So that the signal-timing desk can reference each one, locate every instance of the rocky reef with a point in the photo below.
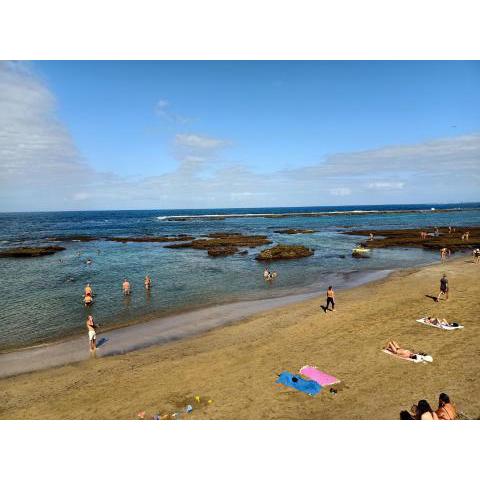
(174, 238)
(412, 238)
(223, 243)
(24, 252)
(284, 252)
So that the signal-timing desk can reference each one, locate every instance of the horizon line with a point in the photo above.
(237, 208)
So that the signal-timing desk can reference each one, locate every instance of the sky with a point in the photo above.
(213, 134)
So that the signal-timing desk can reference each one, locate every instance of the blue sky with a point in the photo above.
(107, 135)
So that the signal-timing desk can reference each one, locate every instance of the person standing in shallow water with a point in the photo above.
(330, 298)
(126, 287)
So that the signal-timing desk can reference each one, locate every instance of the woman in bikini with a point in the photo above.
(394, 347)
(445, 411)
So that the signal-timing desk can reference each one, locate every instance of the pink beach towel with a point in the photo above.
(320, 377)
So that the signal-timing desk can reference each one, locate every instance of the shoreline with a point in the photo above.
(236, 365)
(144, 333)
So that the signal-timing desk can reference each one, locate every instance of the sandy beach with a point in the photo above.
(236, 365)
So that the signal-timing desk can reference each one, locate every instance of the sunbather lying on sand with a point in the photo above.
(440, 322)
(393, 347)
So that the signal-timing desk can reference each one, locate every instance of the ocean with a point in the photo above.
(41, 298)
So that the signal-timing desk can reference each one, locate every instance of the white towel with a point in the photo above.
(423, 320)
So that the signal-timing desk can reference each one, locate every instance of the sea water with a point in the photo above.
(41, 298)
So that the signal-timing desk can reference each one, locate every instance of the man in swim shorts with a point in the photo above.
(92, 334)
(443, 287)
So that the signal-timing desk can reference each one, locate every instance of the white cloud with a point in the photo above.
(162, 109)
(200, 142)
(386, 185)
(41, 167)
(340, 191)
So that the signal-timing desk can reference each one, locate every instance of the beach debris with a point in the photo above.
(141, 414)
(197, 398)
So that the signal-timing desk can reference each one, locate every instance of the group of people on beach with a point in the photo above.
(423, 411)
(88, 301)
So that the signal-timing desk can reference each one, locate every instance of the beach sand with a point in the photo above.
(236, 365)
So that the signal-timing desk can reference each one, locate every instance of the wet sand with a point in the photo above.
(236, 365)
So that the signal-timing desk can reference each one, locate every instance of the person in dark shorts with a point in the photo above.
(443, 287)
(330, 298)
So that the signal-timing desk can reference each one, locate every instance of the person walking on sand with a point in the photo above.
(330, 298)
(443, 287)
(126, 287)
(92, 333)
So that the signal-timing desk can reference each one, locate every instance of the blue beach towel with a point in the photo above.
(307, 386)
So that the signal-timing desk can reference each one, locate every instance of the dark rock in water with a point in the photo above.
(221, 251)
(243, 252)
(412, 238)
(22, 252)
(284, 252)
(293, 231)
(234, 240)
(224, 234)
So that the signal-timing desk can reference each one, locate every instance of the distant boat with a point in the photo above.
(360, 252)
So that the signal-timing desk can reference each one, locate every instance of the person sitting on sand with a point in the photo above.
(425, 412)
(445, 411)
(147, 282)
(330, 298)
(404, 415)
(443, 287)
(126, 287)
(92, 334)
